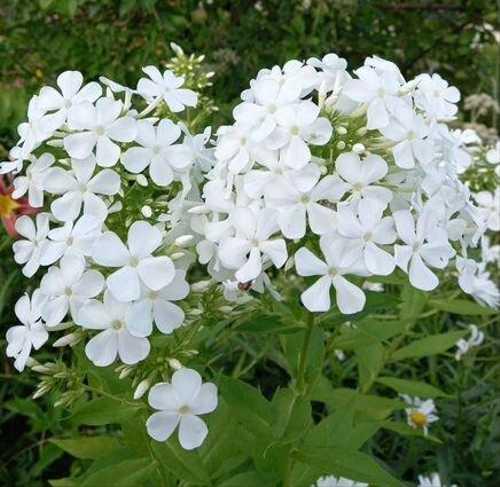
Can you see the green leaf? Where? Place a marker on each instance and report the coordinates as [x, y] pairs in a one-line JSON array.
[[127, 473], [367, 332], [92, 447], [102, 411], [430, 345], [370, 362], [63, 483], [186, 465], [461, 307], [412, 387], [350, 464], [48, 455], [406, 430], [268, 324], [247, 479], [292, 415]]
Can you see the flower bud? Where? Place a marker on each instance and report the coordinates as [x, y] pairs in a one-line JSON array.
[[71, 339], [358, 148], [184, 240], [341, 145], [125, 372], [177, 255], [201, 286], [174, 363], [141, 389], [341, 130], [146, 211], [141, 180]]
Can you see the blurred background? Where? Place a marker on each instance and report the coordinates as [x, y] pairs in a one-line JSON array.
[[115, 38]]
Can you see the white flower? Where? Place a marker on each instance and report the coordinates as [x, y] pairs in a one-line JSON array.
[[299, 127], [476, 281], [294, 204], [409, 130], [339, 261], [234, 148], [436, 97], [114, 339], [425, 245], [252, 242], [67, 288], [72, 93], [80, 187], [379, 90], [333, 70], [359, 176], [493, 155], [463, 346], [36, 250], [431, 480], [489, 204], [98, 127], [332, 481], [77, 238], [158, 151], [179, 404], [31, 334], [367, 231], [157, 306], [420, 413], [166, 87], [134, 260], [33, 182], [257, 182]]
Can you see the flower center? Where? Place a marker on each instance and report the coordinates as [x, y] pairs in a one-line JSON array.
[[8, 206], [100, 130], [67, 104], [332, 272], [367, 237], [271, 108], [295, 130], [68, 292], [184, 410], [304, 199], [117, 325], [419, 419], [156, 149], [134, 261]]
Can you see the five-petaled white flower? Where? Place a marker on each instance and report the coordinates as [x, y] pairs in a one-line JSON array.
[[166, 87], [33, 182], [99, 126], [72, 93], [367, 229], [114, 339], [432, 480], [436, 97], [156, 306], [464, 345], [359, 176], [489, 204], [332, 481], [67, 288], [134, 260], [36, 249], [339, 261], [179, 404], [158, 151], [245, 251], [79, 187], [31, 334], [425, 245], [474, 279]]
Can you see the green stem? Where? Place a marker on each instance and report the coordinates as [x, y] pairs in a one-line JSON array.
[[301, 373]]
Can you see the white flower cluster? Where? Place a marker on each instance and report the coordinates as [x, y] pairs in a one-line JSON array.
[[110, 271], [362, 168]]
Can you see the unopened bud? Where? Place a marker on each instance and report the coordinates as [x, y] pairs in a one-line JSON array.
[[341, 145], [41, 391], [176, 48], [358, 148], [362, 131], [226, 309], [115, 207], [55, 143], [125, 372], [146, 211], [289, 264], [341, 130], [71, 340], [174, 363], [141, 180], [201, 286], [141, 389], [184, 240], [177, 255], [42, 369]]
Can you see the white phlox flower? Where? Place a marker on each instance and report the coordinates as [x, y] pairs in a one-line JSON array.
[[432, 480], [474, 279], [179, 404], [463, 345], [332, 481]]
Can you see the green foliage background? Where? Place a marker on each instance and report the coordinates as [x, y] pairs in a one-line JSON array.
[[40, 38]]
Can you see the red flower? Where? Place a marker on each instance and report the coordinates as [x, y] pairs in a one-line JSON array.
[[10, 208]]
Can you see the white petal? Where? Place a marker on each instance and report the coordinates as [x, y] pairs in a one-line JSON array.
[[168, 316], [292, 221], [110, 251], [186, 383], [350, 298], [124, 284], [161, 425], [93, 315], [161, 173], [192, 432], [102, 349], [317, 297], [252, 268], [136, 159], [70, 82], [162, 396], [206, 400], [275, 250], [307, 264], [105, 182], [348, 165], [107, 152], [156, 272], [67, 207], [132, 349], [80, 145], [378, 261], [421, 276], [123, 130], [139, 318], [143, 238]]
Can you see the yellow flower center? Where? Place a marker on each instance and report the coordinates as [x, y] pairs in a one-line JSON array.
[[419, 419], [7, 206]]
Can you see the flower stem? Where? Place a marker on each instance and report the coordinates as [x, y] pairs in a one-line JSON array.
[[301, 372]]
